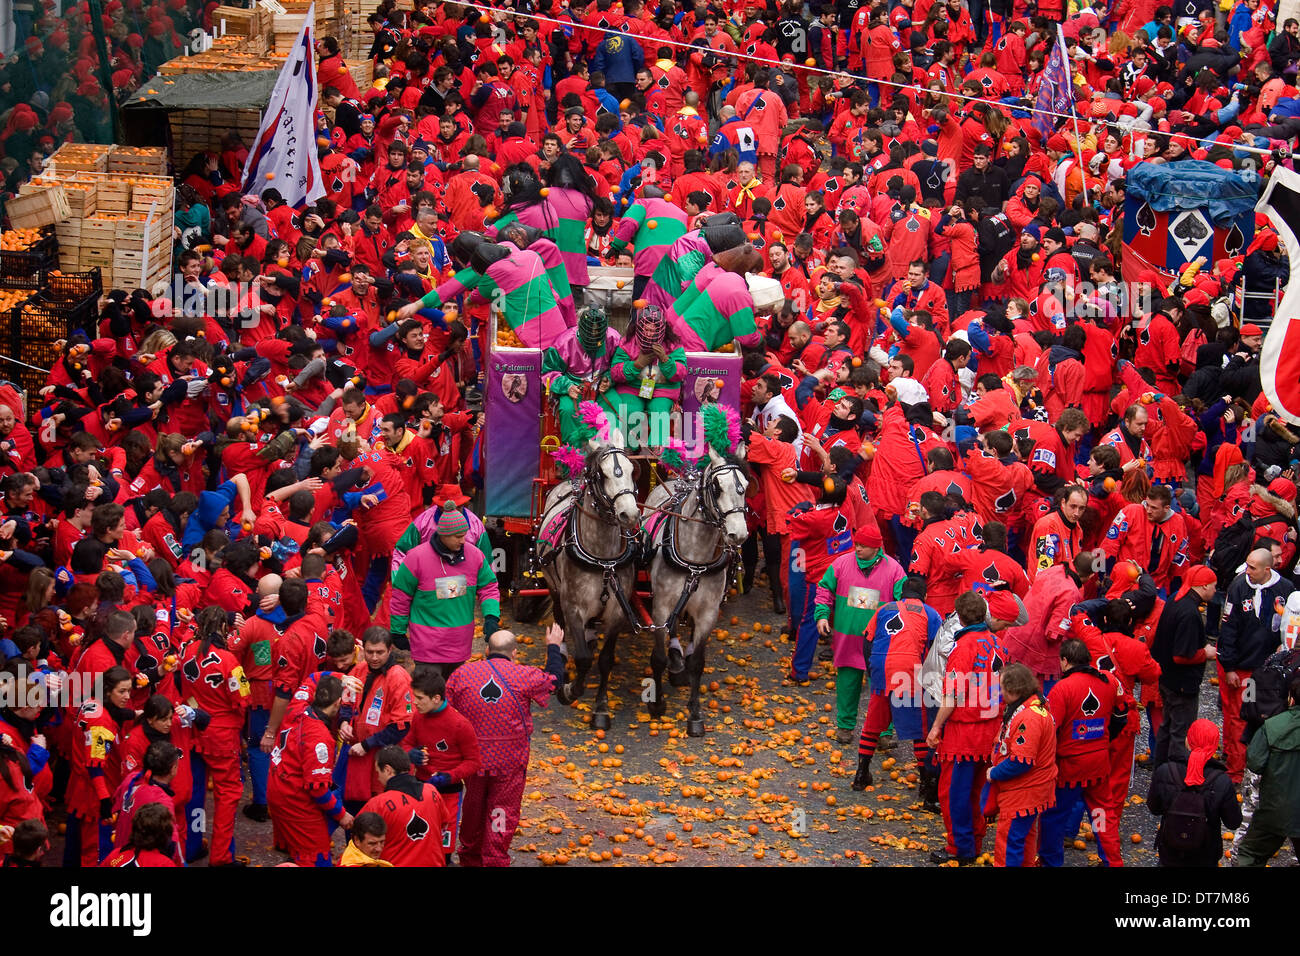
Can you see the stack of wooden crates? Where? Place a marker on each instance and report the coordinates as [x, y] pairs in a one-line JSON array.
[[121, 205]]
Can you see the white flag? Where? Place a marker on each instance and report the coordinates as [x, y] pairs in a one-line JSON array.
[[284, 155]]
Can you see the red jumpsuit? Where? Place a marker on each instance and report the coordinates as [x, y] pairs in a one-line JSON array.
[[300, 791], [416, 819], [216, 683], [1082, 703], [1028, 737], [96, 772], [382, 716], [449, 747], [969, 735]]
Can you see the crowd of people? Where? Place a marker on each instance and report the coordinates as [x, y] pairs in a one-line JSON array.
[[1019, 503]]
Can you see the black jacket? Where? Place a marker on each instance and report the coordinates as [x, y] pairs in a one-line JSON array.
[[1180, 633], [1248, 635], [1240, 378], [1221, 810], [991, 185]]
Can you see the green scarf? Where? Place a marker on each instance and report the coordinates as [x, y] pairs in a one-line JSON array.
[[871, 562]]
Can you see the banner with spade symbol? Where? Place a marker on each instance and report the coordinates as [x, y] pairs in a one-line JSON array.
[[1175, 212], [1173, 239]]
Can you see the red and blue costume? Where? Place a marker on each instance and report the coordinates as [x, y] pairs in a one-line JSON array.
[[1022, 781]]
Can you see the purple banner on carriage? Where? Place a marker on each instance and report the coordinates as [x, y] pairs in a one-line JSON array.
[[512, 413], [704, 370]]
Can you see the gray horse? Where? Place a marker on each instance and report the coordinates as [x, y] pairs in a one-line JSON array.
[[588, 544], [696, 535]]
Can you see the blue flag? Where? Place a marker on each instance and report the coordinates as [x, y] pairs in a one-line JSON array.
[[1056, 91]]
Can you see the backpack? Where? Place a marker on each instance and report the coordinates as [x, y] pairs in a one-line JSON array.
[[1271, 680], [1186, 823], [1231, 546]]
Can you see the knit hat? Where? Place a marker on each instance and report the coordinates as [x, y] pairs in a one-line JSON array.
[[1250, 328], [1058, 143], [1143, 85], [592, 324], [868, 536], [1032, 230], [451, 522], [1056, 234]]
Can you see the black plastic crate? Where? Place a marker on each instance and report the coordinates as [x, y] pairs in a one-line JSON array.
[[75, 286], [27, 268], [43, 320]]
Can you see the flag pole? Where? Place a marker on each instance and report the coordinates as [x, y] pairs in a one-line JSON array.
[[1074, 112]]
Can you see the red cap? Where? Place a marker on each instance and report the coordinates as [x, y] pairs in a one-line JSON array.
[[1284, 488], [1003, 605], [1250, 328], [868, 536]]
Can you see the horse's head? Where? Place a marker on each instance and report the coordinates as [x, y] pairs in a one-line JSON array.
[[610, 476], [724, 491]]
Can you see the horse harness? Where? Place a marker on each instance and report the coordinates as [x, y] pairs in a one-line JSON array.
[[706, 503], [604, 511]]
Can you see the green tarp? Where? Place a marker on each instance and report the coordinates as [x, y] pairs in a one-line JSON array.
[[205, 91]]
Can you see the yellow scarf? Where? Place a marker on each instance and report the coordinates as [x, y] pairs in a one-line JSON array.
[[747, 189]]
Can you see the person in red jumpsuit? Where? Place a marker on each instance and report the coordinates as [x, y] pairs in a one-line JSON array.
[[96, 769], [966, 728], [412, 809], [442, 747], [382, 715], [1022, 780], [1083, 703], [301, 795], [213, 683], [150, 784]]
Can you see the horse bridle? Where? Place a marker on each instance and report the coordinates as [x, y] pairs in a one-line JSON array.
[[708, 498], [594, 480]]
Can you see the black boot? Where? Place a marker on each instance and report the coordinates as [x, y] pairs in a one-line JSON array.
[[930, 792], [778, 601], [862, 779], [258, 812]]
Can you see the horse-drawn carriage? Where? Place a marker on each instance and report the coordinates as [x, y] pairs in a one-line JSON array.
[[614, 554]]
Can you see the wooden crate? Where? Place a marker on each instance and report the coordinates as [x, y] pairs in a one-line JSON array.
[[42, 208], [80, 157], [99, 232], [138, 160], [101, 256], [197, 131], [362, 74], [79, 188], [68, 232], [146, 194], [240, 21]]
